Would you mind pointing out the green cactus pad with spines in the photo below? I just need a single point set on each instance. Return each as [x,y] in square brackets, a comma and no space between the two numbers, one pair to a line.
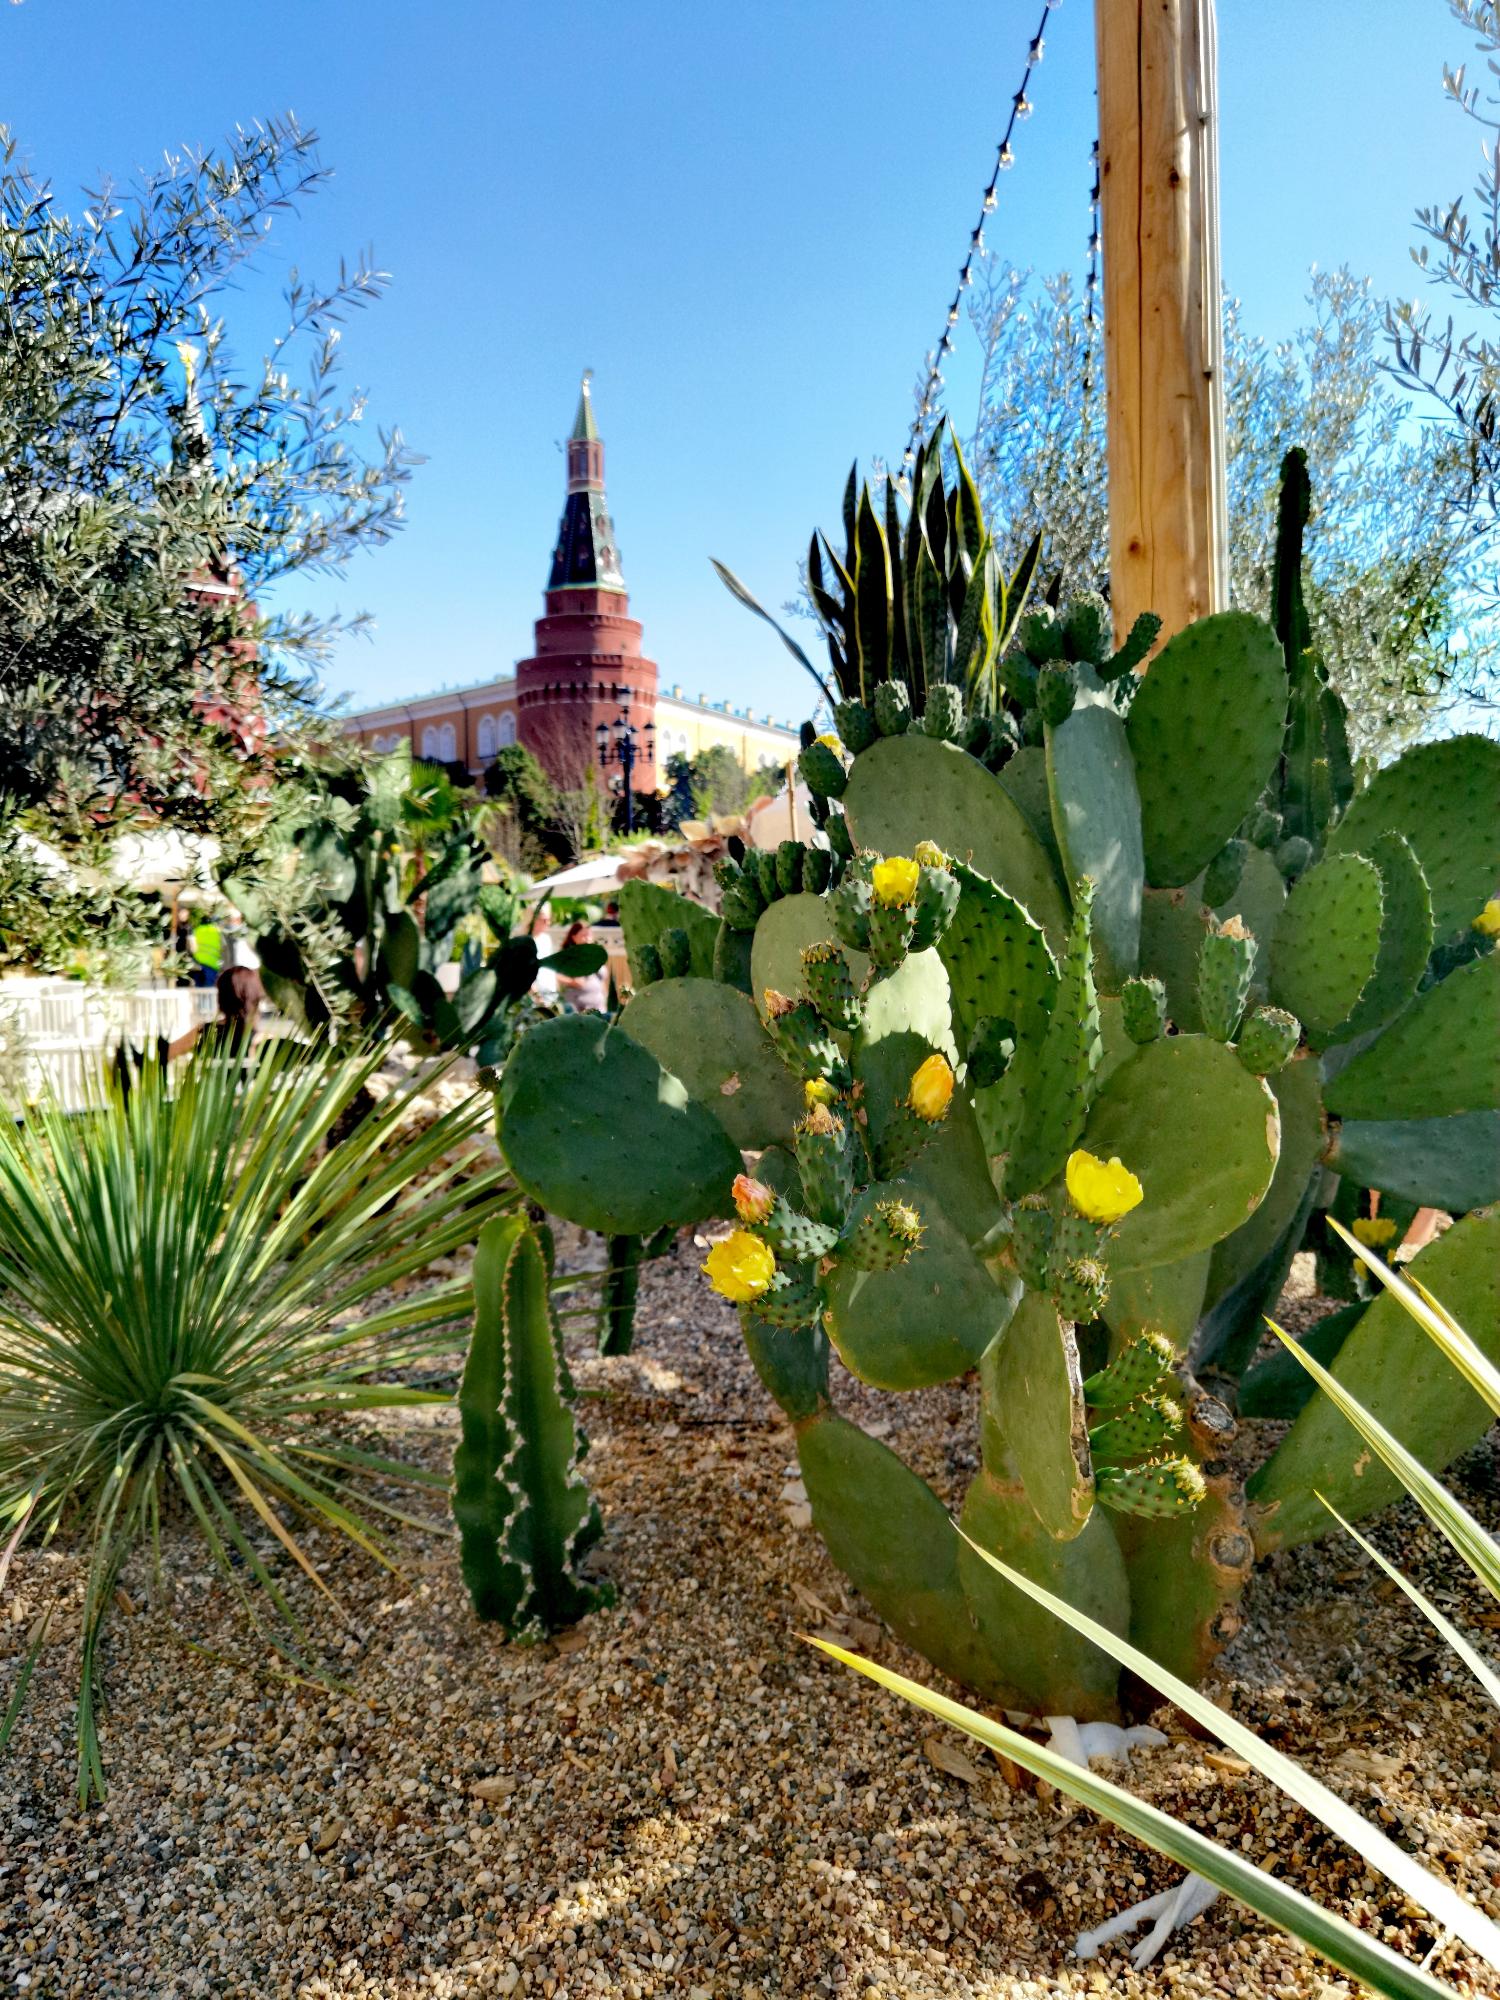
[1268,1040]
[795,1236]
[792,1299]
[1024,777]
[892,708]
[1086,629]
[840,840]
[817,869]
[822,771]
[822,1146]
[856,726]
[732,957]
[1326,945]
[1143,1009]
[1298,1094]
[886,1234]
[1034,1417]
[1096,817]
[1226,960]
[1398,1378]
[1165,1299]
[1258,900]
[927,1320]
[1033,1227]
[913,788]
[710,1036]
[1140,1367]
[998,963]
[675,950]
[907,1017]
[801,1040]
[943,717]
[792,1363]
[783,934]
[1157,1490]
[1079,1288]
[1056,692]
[647,909]
[1222,876]
[1055,1099]
[829,985]
[525,1516]
[1199,1133]
[891,1536]
[646,968]
[789,855]
[1440,1057]
[1205,730]
[1280,1387]
[1444,799]
[1046,1665]
[1405,936]
[990,1051]
[849,910]
[890,934]
[1173,922]
[1138,1430]
[937,899]
[1450,1163]
[1187,1574]
[1292,856]
[1134,648]
[596,1130]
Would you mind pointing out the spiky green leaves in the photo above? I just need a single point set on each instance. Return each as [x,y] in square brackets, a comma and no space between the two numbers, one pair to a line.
[1326,944]
[525,1517]
[1205,728]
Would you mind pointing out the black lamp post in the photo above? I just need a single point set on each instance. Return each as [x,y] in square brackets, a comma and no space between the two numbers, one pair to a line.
[620,743]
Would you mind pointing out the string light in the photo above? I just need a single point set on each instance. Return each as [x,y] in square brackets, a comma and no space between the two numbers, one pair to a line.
[1091,281]
[1020,107]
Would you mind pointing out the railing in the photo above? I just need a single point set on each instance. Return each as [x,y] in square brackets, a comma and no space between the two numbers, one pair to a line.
[55,1034]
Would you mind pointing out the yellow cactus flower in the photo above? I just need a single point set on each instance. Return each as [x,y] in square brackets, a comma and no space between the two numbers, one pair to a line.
[895,880]
[929,855]
[740,1268]
[932,1089]
[1102,1190]
[1487,923]
[753,1200]
[1374,1231]
[833,744]
[818,1090]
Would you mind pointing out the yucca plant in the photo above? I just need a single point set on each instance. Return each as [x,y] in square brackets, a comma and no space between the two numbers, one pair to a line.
[190,1318]
[1354,1951]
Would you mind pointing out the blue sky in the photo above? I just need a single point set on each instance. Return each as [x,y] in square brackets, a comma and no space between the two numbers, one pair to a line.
[746,220]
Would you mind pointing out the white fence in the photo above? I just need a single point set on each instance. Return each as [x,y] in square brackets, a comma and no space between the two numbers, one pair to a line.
[55,1034]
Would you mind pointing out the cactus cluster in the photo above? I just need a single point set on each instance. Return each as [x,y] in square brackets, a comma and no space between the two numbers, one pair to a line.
[1021,1098]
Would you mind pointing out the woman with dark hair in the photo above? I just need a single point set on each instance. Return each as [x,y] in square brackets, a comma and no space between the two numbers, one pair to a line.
[590,994]
[240,998]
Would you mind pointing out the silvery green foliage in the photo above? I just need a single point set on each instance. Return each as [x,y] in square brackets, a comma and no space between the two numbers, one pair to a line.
[1393,559]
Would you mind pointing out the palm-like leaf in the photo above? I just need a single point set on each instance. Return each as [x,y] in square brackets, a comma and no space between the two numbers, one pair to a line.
[185,1285]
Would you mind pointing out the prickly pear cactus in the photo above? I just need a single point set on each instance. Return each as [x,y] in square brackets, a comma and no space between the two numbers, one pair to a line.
[525,1517]
[1044,1055]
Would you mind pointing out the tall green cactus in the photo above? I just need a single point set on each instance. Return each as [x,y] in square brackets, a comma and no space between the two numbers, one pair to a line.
[525,1517]
[1019,1089]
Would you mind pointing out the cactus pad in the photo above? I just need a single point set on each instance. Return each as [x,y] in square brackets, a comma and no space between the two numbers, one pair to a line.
[1444,799]
[1143,1006]
[1199,1132]
[792,1363]
[913,788]
[1136,1431]
[711,1037]
[1326,945]
[1451,1163]
[647,909]
[1140,1367]
[1096,815]
[1226,960]
[1055,1097]
[595,1129]
[1268,1040]
[1156,1490]
[1402,1383]
[892,708]
[829,985]
[1034,1416]
[792,1299]
[1441,1056]
[1205,728]
[1405,936]
[1173,922]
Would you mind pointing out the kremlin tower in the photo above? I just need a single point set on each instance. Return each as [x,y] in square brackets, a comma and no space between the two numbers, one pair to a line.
[588,665]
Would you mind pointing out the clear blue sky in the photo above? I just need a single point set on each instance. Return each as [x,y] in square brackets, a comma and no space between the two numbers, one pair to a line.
[746,220]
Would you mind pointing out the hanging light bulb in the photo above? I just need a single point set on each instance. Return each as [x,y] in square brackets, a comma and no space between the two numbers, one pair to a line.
[977,239]
[1023,105]
[965,279]
[989,199]
[1007,158]
[953,313]
[945,345]
[908,457]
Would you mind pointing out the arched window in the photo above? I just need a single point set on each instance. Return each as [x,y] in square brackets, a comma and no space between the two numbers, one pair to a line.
[447,743]
[486,738]
[507,730]
[430,743]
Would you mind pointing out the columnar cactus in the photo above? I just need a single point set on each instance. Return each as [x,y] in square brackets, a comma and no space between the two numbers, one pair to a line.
[1019,1093]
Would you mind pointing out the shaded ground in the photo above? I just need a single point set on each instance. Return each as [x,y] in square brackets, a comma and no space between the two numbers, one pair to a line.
[679,1798]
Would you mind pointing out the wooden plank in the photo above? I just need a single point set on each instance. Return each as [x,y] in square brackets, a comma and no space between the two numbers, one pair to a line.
[1163,327]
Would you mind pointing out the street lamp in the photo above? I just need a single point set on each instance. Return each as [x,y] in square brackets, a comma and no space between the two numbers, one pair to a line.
[621,743]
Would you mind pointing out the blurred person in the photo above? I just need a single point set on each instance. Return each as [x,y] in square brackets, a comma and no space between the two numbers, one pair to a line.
[590,993]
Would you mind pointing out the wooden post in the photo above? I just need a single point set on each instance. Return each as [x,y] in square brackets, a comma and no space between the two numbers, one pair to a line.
[1163,320]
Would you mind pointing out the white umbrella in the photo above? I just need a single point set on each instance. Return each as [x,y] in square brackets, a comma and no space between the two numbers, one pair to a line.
[586,878]
[163,859]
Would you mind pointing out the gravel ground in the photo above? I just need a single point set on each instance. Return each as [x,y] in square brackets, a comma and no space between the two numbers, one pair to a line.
[678,1797]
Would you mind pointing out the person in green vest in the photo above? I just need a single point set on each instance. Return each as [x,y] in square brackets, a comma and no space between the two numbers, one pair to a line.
[208,949]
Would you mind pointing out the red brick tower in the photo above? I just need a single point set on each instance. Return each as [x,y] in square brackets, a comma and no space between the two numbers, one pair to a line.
[588,647]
